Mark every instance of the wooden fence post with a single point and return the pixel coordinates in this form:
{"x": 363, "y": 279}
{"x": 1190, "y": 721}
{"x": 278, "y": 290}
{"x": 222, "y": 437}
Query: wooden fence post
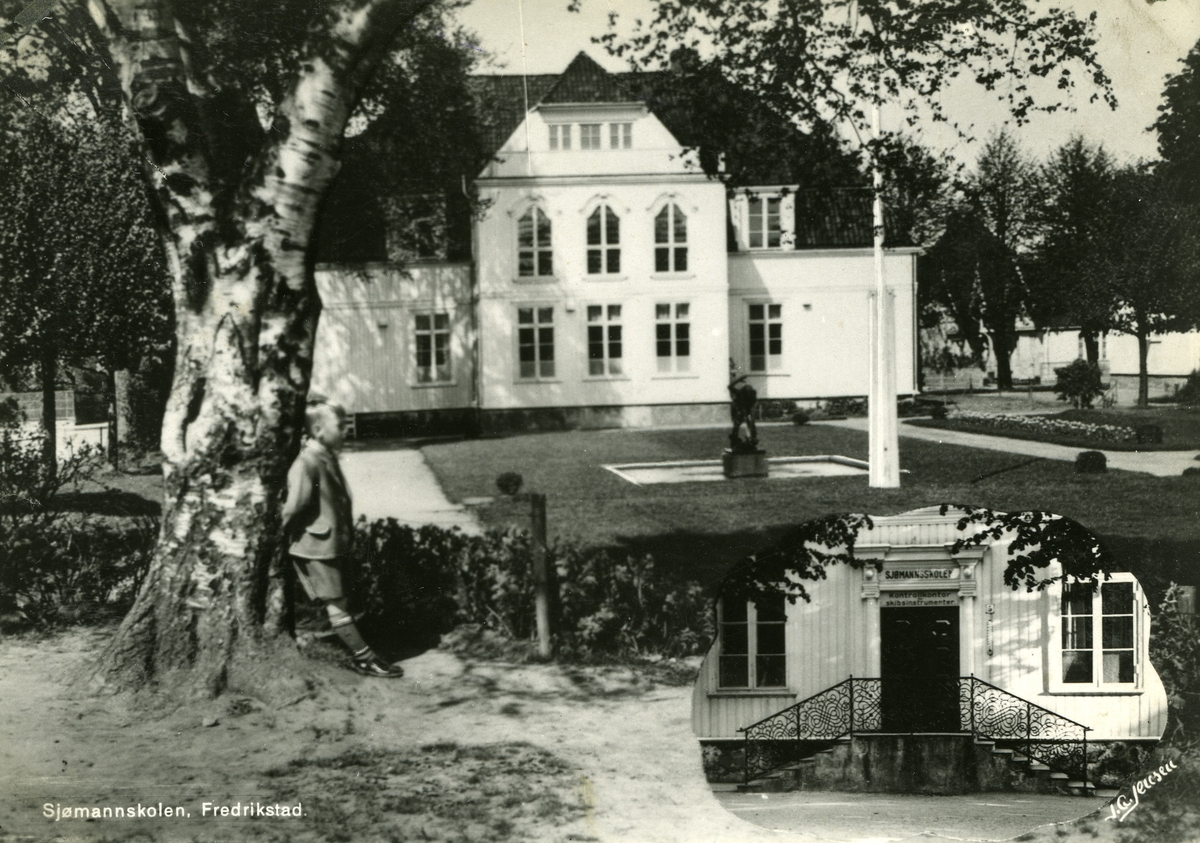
{"x": 541, "y": 572}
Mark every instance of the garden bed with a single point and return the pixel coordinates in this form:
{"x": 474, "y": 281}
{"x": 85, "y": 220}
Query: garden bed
{"x": 1110, "y": 430}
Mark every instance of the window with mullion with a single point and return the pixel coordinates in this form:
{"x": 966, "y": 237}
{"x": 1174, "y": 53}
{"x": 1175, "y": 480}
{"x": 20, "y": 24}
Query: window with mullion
{"x": 535, "y": 343}
{"x": 753, "y": 651}
{"x": 765, "y": 231}
{"x": 765, "y": 333}
{"x": 432, "y": 335}
{"x": 603, "y": 240}
{"x": 672, "y": 337}
{"x": 534, "y": 252}
{"x": 604, "y": 340}
{"x": 670, "y": 240}
{"x": 589, "y": 135}
{"x": 1109, "y": 659}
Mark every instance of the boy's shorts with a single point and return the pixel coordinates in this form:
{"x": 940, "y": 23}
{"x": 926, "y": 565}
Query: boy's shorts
{"x": 321, "y": 578}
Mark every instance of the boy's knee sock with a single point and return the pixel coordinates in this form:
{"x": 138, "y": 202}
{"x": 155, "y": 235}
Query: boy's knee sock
{"x": 344, "y": 626}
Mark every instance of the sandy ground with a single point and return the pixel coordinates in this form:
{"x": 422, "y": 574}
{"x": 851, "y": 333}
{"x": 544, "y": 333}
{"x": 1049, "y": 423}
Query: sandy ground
{"x": 634, "y": 766}
{"x": 630, "y": 765}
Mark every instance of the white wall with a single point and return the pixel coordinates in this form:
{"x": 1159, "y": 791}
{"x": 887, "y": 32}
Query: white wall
{"x": 365, "y": 349}
{"x": 568, "y": 185}
{"x": 826, "y": 317}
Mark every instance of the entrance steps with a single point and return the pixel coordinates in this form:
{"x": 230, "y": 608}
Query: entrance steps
{"x": 943, "y": 763}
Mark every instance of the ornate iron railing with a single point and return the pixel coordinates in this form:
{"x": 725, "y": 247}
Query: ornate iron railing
{"x": 855, "y": 706}
{"x": 995, "y": 714}
{"x": 849, "y": 706}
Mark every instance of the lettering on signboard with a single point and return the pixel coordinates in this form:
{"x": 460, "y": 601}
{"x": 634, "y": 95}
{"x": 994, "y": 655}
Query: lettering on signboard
{"x": 901, "y": 599}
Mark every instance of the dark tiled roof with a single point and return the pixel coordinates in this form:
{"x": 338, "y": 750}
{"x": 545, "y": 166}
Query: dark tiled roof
{"x": 502, "y": 101}
{"x": 504, "y": 98}
{"x": 839, "y": 219}
{"x": 586, "y": 81}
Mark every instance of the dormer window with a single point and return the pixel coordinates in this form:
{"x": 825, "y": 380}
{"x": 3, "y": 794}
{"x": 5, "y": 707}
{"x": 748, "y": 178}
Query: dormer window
{"x": 620, "y": 135}
{"x": 589, "y": 135}
{"x": 764, "y": 226}
{"x": 560, "y": 135}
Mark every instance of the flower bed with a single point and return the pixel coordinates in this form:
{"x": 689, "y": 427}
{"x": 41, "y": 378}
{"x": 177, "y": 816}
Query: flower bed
{"x": 1046, "y": 425}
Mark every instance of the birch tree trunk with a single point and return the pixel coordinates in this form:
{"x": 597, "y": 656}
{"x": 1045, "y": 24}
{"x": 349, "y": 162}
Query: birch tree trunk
{"x": 212, "y": 609}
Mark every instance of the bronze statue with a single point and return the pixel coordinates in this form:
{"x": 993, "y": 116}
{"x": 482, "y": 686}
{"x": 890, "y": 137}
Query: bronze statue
{"x": 742, "y": 398}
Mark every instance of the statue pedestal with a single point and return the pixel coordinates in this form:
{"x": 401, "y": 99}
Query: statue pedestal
{"x": 753, "y": 464}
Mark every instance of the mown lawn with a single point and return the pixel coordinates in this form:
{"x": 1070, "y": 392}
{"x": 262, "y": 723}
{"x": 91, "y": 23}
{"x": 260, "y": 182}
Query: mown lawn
{"x": 1180, "y": 427}
{"x": 704, "y": 528}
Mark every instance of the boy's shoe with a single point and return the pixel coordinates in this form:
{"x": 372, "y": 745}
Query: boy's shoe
{"x": 372, "y": 665}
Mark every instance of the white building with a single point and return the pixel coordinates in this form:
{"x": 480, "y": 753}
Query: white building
{"x": 605, "y": 289}
{"x": 922, "y": 641}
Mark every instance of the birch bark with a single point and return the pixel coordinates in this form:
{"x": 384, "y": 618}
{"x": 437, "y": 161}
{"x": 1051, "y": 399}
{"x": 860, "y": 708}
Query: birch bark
{"x": 237, "y": 236}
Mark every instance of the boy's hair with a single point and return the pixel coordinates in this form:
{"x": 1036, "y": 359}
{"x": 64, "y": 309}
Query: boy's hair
{"x": 317, "y": 410}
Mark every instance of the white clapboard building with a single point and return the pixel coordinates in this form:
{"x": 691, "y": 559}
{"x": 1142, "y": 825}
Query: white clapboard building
{"x": 922, "y": 670}
{"x": 612, "y": 284}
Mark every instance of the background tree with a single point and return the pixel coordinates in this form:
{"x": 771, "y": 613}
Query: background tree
{"x": 1178, "y": 127}
{"x": 1064, "y": 287}
{"x": 1149, "y": 257}
{"x": 975, "y": 272}
{"x": 236, "y": 199}
{"x": 82, "y": 279}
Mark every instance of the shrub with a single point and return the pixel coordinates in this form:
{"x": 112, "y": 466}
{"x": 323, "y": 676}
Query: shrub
{"x": 1079, "y": 383}
{"x": 1091, "y": 462}
{"x": 1189, "y": 393}
{"x": 1149, "y": 434}
{"x": 800, "y": 417}
{"x": 58, "y": 566}
{"x": 846, "y": 407}
{"x": 414, "y": 584}
{"x": 939, "y": 411}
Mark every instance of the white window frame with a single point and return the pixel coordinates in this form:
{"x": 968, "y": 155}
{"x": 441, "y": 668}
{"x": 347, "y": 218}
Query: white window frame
{"x": 537, "y": 309}
{"x": 752, "y": 625}
{"x": 591, "y": 136}
{"x": 560, "y": 136}
{"x": 763, "y": 231}
{"x": 605, "y": 333}
{"x": 620, "y": 135}
{"x": 537, "y": 249}
{"x": 676, "y": 318}
{"x": 772, "y": 316}
{"x": 1140, "y": 648}
{"x": 672, "y": 245}
{"x": 437, "y": 375}
{"x": 607, "y": 247}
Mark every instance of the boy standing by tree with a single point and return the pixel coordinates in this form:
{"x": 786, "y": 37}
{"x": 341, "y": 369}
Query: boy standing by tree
{"x": 319, "y": 524}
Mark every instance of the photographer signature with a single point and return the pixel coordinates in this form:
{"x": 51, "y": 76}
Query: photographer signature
{"x": 1123, "y": 806}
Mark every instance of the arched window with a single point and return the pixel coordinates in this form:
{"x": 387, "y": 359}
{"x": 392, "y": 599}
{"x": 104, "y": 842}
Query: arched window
{"x": 534, "y": 255}
{"x": 670, "y": 240}
{"x": 604, "y": 242}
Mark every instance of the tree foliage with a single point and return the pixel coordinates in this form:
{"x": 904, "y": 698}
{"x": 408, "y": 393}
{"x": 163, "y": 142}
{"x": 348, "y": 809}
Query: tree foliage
{"x": 1063, "y": 284}
{"x": 1035, "y": 540}
{"x": 1178, "y": 127}
{"x": 1149, "y": 258}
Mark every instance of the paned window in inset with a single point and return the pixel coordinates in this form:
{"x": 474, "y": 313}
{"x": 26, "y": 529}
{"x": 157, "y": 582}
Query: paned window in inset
{"x": 604, "y": 340}
{"x": 1110, "y": 658}
{"x": 432, "y": 333}
{"x": 764, "y": 227}
{"x": 535, "y": 257}
{"x": 670, "y": 240}
{"x": 535, "y": 343}
{"x": 766, "y": 337}
{"x": 753, "y": 651}
{"x": 604, "y": 242}
{"x": 673, "y": 337}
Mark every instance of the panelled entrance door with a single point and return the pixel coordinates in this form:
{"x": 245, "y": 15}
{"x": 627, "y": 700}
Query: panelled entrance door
{"x": 919, "y": 668}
